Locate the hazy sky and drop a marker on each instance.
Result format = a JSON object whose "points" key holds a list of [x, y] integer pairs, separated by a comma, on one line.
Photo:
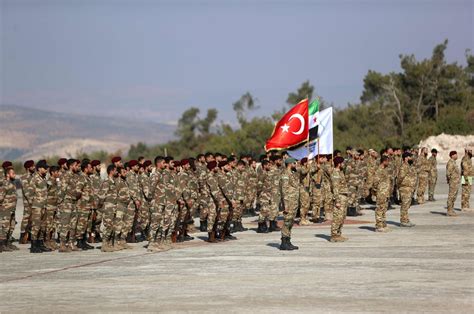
{"points": [[156, 58]]}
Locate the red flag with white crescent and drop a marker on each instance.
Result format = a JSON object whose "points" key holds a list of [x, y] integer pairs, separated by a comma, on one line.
{"points": [[291, 130]]}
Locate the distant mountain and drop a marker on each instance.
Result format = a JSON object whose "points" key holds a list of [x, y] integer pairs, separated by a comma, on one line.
{"points": [[32, 133]]}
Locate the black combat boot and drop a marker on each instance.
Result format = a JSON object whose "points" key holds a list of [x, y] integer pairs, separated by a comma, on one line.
{"points": [[84, 243], [351, 211], [203, 226], [274, 226], [211, 237], [42, 247], [4, 246], [262, 227], [187, 237], [284, 246], [293, 247], [35, 247], [228, 236]]}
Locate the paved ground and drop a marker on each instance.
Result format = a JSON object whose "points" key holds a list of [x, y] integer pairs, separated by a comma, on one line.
{"points": [[428, 268]]}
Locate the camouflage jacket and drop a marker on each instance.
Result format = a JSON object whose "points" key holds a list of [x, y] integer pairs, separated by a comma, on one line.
{"points": [[382, 183], [38, 191], [453, 175], [123, 192], [423, 164], [466, 167], [69, 189], [108, 194], [87, 200], [407, 176], [8, 196], [290, 184], [157, 189], [201, 174], [134, 186], [433, 165], [172, 191], [214, 189], [25, 187], [144, 181], [239, 185], [338, 184], [53, 191]]}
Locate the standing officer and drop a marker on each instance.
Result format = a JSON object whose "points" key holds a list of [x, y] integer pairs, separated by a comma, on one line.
{"points": [[382, 185], [433, 174], [7, 207], [406, 182], [453, 177], [290, 182], [340, 193], [467, 173]]}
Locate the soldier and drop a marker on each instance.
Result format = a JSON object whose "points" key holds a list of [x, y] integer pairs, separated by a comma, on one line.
{"points": [[406, 182], [423, 166], [188, 188], [172, 196], [265, 198], [84, 205], [144, 211], [239, 196], [467, 173], [124, 213], [52, 207], [38, 192], [205, 202], [433, 174], [340, 194], [96, 216], [217, 200], [317, 175], [131, 217], [453, 177], [382, 182], [371, 169], [157, 206], [290, 181], [25, 179], [326, 186], [351, 173], [274, 174], [227, 189], [107, 201], [304, 191], [8, 201]]}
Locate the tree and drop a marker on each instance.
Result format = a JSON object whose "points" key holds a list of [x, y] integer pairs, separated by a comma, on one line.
{"points": [[304, 91], [245, 103]]}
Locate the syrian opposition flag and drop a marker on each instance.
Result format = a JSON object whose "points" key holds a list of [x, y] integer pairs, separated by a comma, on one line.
{"points": [[291, 130], [320, 137], [313, 113]]}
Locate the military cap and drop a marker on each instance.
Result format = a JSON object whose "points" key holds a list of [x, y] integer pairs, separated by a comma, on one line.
{"points": [[434, 150], [184, 162], [211, 165], [116, 159], [7, 164], [95, 163], [453, 152], [222, 163], [42, 164], [132, 163], [290, 161], [147, 163], [29, 164], [62, 161]]}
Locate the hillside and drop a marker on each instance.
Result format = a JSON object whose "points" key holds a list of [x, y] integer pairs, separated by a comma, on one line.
{"points": [[33, 133]]}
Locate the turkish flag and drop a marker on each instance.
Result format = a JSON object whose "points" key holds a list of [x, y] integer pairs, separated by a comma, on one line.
{"points": [[292, 129]]}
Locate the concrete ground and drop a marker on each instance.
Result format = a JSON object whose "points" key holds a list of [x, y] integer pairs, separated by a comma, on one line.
{"points": [[428, 268]]}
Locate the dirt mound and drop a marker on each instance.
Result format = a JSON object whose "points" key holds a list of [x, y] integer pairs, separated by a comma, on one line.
{"points": [[445, 143]]}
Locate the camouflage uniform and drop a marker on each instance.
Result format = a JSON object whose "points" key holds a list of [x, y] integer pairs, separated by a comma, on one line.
{"points": [[94, 224], [290, 182], [265, 197], [135, 196], [467, 172], [316, 190], [423, 166], [406, 182], [304, 193], [52, 207], [205, 201], [8, 201], [371, 169], [107, 201], [25, 184], [172, 194], [124, 212], [432, 177], [340, 193], [252, 187], [276, 192], [188, 188], [84, 205], [239, 195], [69, 194], [144, 211], [453, 177], [326, 190], [157, 207], [382, 183], [218, 200], [38, 199], [351, 174]]}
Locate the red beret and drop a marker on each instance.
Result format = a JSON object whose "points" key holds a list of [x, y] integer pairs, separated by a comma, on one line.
{"points": [[222, 163], [184, 162], [304, 161], [95, 163], [62, 161], [7, 164], [211, 165], [147, 163], [116, 159], [29, 164], [132, 163], [453, 152], [338, 160], [176, 163]]}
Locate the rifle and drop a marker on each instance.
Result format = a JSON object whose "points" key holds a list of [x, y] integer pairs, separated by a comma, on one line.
{"points": [[93, 224], [131, 236]]}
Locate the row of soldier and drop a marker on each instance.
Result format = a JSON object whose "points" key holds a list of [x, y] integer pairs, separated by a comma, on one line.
{"points": [[157, 202]]}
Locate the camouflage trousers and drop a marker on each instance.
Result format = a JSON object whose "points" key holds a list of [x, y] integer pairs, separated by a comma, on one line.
{"points": [[169, 219], [328, 202], [381, 211], [316, 202], [465, 195], [405, 199], [119, 220], [50, 219], [452, 194], [368, 185], [128, 217], [353, 200], [38, 216], [265, 202], [339, 214], [211, 215], [156, 221], [93, 225], [26, 217], [83, 216], [144, 215], [422, 185], [7, 223], [108, 217], [432, 178], [67, 218], [289, 214], [204, 206], [222, 217], [238, 211], [304, 202]]}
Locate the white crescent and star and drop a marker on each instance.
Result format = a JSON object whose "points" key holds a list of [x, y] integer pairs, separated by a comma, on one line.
{"points": [[286, 127]]}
